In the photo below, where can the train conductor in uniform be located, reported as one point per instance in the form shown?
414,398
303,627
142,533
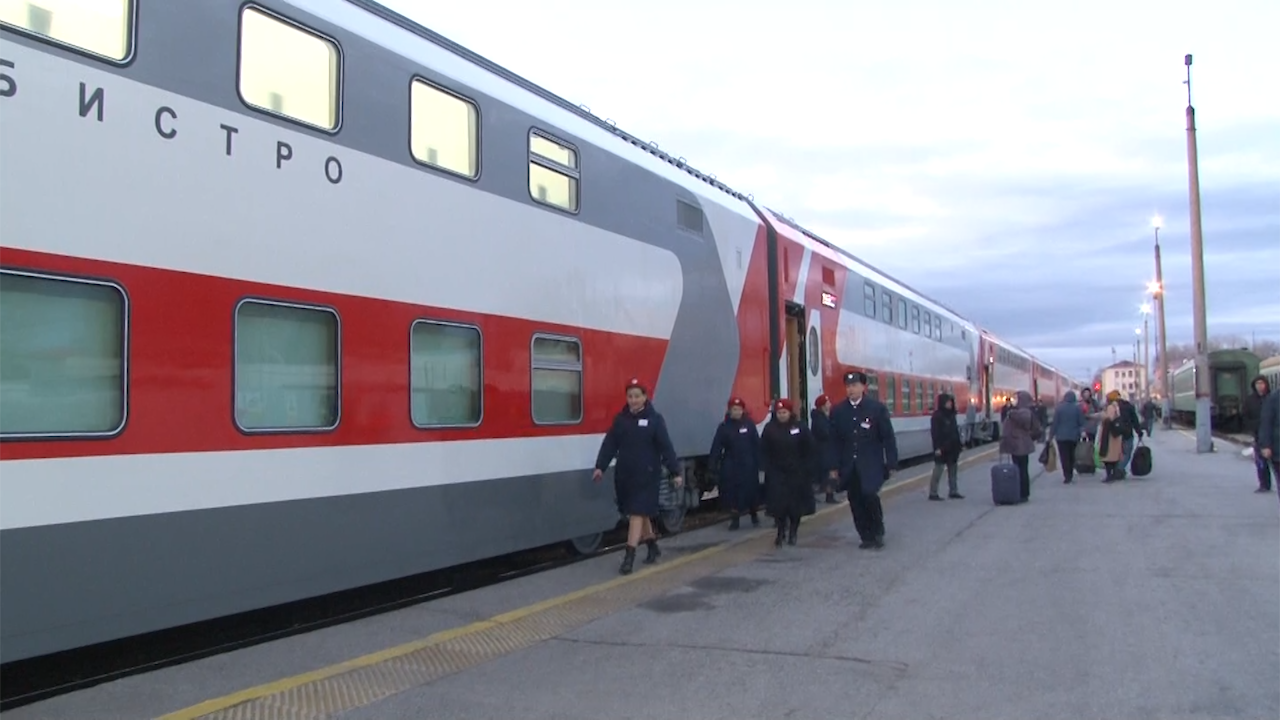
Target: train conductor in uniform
866,453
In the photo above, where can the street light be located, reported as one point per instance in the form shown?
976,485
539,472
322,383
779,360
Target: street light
1146,349
1204,435
1156,289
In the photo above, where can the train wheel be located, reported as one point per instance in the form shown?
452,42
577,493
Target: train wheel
587,544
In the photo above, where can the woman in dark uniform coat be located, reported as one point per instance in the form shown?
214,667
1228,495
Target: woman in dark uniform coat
735,451
638,439
786,448
823,448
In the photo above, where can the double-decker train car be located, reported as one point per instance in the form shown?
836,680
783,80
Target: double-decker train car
298,296
1005,371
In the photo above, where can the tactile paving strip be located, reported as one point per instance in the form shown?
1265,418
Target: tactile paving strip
338,690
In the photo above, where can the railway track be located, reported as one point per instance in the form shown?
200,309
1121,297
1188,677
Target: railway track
28,681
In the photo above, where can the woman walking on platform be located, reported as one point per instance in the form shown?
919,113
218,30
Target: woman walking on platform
735,455
638,439
786,449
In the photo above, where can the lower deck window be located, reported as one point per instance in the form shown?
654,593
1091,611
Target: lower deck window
286,370
557,380
62,356
445,374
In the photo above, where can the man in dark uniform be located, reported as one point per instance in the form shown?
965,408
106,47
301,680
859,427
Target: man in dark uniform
867,452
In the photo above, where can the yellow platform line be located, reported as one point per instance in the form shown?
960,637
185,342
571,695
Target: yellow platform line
402,653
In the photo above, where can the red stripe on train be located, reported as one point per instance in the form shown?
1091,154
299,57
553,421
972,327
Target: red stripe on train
180,367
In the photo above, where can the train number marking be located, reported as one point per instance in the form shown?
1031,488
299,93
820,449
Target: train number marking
93,101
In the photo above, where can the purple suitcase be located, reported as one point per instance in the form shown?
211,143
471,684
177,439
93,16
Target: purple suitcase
1005,486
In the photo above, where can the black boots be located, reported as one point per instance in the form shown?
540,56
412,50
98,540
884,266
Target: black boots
628,560
781,525
795,528
654,552
755,519
733,524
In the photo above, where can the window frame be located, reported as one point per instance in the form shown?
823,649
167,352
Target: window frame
339,90
869,296
886,307
125,343
915,319
928,324
552,165
581,369
235,351
131,45
418,77
902,313
937,327
891,397
445,323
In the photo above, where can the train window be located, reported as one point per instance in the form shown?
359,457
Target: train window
906,396
873,386
920,396
902,313
62,356
446,378
288,70
869,299
964,334
928,324
886,308
931,398
937,328
915,319
553,172
286,368
557,380
103,28
891,394
444,129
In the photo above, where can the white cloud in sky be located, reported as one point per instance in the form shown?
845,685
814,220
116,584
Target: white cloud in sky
938,138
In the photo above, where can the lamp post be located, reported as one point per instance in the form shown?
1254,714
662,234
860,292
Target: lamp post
1204,435
1146,350
1157,292
1137,360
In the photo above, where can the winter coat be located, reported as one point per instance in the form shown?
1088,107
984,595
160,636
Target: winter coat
945,430
642,447
1111,440
1068,419
865,440
735,456
1020,429
1269,425
825,452
786,451
1251,408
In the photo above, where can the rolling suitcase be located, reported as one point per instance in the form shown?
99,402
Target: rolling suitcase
1005,486
1084,458
1140,463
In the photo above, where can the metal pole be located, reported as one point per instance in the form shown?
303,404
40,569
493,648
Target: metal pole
1146,355
1204,435
1166,400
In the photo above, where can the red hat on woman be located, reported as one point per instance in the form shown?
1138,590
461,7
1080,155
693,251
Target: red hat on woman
738,402
784,404
635,383
822,400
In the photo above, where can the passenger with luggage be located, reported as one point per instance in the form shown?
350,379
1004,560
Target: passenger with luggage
1018,439
824,449
786,451
1111,442
945,431
639,440
1251,414
866,456
1269,431
1130,425
735,458
1067,429
1092,413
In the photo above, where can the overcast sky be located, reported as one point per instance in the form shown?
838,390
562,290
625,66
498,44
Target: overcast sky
1003,156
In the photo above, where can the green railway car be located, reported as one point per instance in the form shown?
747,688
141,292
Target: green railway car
1230,372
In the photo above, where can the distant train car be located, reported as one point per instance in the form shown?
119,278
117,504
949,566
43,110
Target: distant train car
1270,369
1230,372
300,296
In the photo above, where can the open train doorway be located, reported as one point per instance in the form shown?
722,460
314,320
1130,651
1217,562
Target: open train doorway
797,379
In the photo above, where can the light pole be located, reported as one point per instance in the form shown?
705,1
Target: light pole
1157,291
1137,359
1146,350
1204,435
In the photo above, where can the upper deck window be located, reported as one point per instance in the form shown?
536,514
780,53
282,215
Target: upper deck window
444,129
553,172
98,27
288,70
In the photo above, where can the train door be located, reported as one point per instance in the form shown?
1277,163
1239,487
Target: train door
795,342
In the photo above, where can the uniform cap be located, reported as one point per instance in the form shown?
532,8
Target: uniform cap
853,376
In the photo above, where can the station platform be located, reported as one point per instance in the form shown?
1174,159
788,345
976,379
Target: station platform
1154,597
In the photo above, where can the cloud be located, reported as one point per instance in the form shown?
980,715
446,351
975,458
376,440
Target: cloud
1003,158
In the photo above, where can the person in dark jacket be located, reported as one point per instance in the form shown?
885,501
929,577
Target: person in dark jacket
824,448
1269,431
1018,439
639,440
786,451
1068,428
735,454
866,456
1092,414
946,447
1251,414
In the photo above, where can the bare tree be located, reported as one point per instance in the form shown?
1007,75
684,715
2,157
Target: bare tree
1181,352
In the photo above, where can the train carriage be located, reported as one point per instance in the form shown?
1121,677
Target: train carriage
300,296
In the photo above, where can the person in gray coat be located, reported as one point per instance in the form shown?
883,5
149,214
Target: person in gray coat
1068,427
1018,439
1269,431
